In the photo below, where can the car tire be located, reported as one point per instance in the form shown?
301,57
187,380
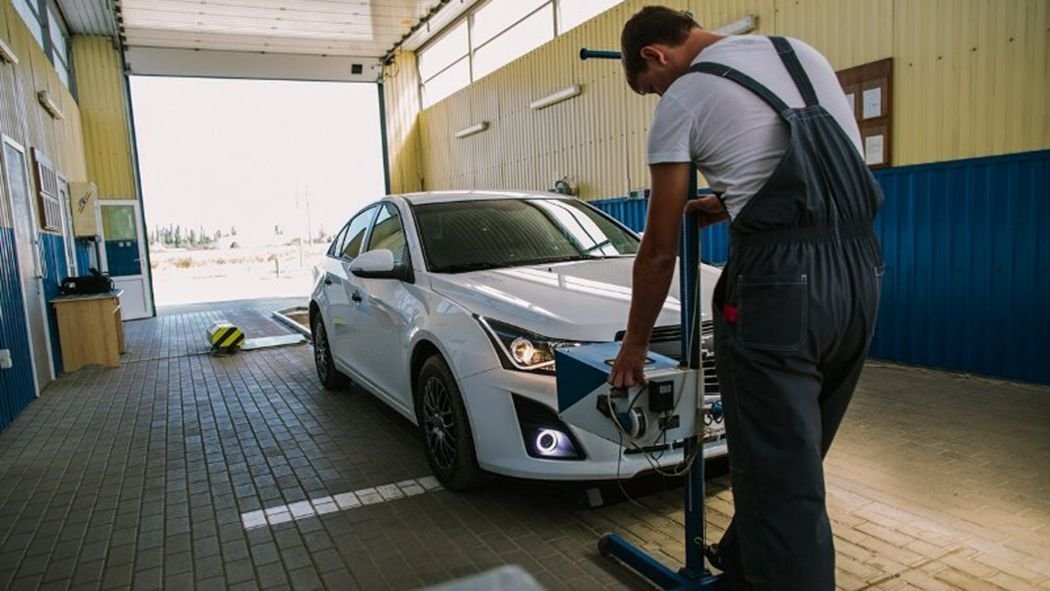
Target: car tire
330,377
445,428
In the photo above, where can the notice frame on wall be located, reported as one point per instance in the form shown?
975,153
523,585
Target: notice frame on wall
869,88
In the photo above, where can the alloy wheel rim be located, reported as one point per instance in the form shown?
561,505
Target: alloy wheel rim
439,423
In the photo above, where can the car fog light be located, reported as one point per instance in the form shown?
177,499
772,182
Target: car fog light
523,350
548,441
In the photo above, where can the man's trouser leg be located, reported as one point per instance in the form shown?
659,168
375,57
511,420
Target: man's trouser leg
783,408
773,418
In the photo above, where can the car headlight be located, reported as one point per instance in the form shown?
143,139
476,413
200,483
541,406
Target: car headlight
521,349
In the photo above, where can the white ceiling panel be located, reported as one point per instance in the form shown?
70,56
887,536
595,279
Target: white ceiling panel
330,35
329,27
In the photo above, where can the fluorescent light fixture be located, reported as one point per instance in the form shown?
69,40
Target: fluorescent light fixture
7,54
49,104
469,131
745,25
562,95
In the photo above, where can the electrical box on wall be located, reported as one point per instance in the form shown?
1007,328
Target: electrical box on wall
83,202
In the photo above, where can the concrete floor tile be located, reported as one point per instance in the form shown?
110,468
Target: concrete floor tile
174,449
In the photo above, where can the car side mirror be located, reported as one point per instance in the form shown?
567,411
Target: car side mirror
380,264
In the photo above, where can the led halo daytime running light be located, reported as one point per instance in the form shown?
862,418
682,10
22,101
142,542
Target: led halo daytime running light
548,441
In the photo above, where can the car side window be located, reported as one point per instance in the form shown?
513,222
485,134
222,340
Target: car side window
355,233
388,233
337,245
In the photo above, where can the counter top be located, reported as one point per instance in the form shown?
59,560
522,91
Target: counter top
116,293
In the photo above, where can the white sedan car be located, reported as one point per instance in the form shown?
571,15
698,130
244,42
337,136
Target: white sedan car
448,306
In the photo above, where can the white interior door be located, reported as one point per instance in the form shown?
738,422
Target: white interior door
124,244
30,261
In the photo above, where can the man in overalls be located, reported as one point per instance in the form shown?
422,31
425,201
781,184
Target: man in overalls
765,121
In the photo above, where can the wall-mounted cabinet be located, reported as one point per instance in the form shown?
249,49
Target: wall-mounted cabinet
83,203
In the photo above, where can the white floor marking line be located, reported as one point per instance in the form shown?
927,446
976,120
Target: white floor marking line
339,502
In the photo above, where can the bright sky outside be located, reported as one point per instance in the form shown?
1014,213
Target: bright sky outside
251,154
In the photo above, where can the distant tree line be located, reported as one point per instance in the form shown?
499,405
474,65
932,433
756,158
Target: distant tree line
175,236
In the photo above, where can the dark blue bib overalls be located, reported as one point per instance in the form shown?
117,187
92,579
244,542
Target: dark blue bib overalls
794,312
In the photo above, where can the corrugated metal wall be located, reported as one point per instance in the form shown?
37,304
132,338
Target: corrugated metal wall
61,140
22,117
967,264
83,250
714,241
16,384
107,135
56,267
401,100
971,79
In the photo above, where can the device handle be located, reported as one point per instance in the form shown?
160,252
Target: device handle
598,54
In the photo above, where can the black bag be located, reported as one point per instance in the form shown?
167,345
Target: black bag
86,284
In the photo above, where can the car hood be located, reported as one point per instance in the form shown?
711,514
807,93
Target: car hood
582,301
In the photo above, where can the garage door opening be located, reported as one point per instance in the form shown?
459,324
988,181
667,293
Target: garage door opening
245,181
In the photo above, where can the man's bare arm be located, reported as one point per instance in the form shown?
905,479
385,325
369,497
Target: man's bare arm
653,267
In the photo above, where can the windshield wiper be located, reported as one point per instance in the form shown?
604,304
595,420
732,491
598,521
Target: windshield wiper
464,267
553,260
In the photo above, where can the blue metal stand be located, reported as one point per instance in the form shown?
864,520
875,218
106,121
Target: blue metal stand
694,576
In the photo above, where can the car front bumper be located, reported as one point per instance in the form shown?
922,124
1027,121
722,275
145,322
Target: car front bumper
501,448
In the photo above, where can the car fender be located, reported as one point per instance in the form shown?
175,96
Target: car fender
459,338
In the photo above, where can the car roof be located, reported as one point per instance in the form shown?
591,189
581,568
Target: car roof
448,196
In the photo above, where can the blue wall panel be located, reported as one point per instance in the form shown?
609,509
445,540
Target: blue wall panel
714,242
83,249
55,269
967,250
16,384
967,266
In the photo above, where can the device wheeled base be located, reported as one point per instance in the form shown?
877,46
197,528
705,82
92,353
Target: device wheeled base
613,545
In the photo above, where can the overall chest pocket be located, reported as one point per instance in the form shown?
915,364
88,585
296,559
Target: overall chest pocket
773,311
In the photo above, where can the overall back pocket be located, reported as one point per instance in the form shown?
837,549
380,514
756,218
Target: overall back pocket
773,311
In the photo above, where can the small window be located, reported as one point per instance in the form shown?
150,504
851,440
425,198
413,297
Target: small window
576,12
59,47
447,82
515,42
355,233
496,16
388,233
443,52
337,244
27,9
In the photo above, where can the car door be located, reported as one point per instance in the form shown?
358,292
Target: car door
338,288
383,313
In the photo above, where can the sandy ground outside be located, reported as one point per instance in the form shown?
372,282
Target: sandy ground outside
196,276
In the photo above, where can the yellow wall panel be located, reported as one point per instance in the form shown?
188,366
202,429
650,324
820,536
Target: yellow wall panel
23,118
401,101
970,79
103,111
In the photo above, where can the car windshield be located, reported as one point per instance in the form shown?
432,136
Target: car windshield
472,235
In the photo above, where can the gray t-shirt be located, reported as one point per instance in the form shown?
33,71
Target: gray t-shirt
735,138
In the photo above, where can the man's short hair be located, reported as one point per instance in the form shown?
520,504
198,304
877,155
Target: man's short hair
652,24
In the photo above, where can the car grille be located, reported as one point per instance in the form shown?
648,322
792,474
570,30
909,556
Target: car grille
666,341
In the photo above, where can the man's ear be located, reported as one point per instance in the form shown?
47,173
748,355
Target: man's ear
653,53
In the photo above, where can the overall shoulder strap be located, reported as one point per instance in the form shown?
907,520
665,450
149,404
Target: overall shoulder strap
794,67
744,80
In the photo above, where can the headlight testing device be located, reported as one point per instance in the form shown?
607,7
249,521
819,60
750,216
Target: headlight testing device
667,409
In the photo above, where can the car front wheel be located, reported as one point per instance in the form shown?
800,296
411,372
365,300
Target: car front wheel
446,431
330,377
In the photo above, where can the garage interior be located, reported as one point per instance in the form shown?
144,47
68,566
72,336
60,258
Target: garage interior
179,469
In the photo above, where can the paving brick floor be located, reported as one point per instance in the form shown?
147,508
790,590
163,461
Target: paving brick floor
184,470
